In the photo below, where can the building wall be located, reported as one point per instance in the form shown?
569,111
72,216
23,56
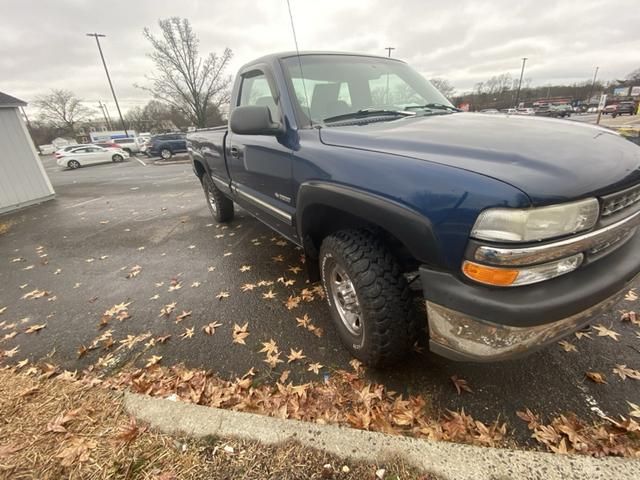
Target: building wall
23,180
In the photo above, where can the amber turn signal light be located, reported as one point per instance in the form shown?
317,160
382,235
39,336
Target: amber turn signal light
500,277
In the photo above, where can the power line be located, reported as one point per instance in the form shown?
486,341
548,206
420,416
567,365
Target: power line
113,92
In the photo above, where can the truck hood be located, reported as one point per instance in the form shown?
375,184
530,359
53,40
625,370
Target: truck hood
551,160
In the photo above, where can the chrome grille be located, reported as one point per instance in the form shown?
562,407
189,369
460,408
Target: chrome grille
617,202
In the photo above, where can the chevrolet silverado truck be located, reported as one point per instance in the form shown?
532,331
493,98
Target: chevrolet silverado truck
520,230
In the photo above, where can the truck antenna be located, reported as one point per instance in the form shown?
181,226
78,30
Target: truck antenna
295,40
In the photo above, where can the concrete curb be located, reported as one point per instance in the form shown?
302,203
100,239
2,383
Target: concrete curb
449,461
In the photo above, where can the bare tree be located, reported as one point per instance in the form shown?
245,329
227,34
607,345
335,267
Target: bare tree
62,109
183,79
443,86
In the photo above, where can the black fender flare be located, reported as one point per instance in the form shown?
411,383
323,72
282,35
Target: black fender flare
411,228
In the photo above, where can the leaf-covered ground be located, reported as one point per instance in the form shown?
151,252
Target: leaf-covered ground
53,428
125,281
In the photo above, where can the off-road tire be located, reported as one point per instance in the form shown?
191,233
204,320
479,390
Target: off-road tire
390,322
220,206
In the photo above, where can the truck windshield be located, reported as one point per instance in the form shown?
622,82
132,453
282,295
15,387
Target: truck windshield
337,85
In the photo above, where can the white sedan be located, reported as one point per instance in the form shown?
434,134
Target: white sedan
88,154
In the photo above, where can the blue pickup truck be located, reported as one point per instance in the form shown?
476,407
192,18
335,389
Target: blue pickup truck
520,230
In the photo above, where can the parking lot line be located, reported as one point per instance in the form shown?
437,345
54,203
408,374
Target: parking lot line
141,162
83,203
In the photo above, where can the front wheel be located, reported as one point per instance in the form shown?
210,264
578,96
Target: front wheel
73,164
221,207
369,298
166,153
117,158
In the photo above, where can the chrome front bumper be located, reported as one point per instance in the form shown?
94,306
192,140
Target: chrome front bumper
462,337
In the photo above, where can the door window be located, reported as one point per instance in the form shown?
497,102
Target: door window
255,90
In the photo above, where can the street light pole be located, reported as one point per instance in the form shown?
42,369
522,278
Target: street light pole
388,49
524,60
593,84
104,114
113,92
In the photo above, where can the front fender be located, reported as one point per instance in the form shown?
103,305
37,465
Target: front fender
408,226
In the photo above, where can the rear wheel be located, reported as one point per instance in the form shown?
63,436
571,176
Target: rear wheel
220,206
166,153
369,298
117,158
73,164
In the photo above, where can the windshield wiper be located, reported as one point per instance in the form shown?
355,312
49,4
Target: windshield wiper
368,112
433,106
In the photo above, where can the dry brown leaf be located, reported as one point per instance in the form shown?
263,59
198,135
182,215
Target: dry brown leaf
167,309
269,295
597,377
630,317
82,351
210,328
605,332
635,409
631,295
35,294
273,359
240,333
247,287
2,310
295,269
8,450
154,360
278,258
245,268
623,372
76,450
269,347
222,295
304,321
315,368
460,384
580,334
182,316
129,432
188,333
292,302
567,347
58,424
35,328
135,270
163,338
295,355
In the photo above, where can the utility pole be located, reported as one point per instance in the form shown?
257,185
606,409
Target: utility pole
388,49
524,60
104,114
115,99
593,84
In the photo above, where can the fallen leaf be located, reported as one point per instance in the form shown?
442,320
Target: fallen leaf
631,295
58,424
155,297
175,285
135,270
182,316
7,450
304,321
163,339
269,347
580,334
635,412
278,258
2,310
195,284
292,302
245,268
597,377
129,432
273,359
314,367
295,355
188,333
167,309
240,333
76,450
567,347
269,295
460,384
247,287
35,294
630,317
623,372
295,269
35,328
222,295
82,351
605,332
210,328
154,360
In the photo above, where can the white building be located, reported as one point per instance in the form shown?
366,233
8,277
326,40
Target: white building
23,180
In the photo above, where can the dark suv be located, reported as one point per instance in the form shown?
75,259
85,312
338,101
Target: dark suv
624,107
167,145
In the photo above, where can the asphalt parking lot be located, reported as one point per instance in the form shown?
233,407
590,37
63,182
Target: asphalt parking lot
108,220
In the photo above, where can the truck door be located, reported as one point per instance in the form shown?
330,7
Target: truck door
260,165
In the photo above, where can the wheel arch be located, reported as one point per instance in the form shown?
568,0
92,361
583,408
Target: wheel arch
323,208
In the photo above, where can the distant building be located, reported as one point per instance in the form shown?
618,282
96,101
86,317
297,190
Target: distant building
23,180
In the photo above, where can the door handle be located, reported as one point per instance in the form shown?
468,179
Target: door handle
235,152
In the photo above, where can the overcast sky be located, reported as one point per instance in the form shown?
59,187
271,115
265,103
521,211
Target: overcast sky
43,43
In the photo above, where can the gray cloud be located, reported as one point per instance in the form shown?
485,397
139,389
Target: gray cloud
43,43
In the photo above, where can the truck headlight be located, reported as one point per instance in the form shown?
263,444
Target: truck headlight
528,225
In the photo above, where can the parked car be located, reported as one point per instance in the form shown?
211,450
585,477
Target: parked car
609,109
622,108
167,145
551,111
68,148
514,247
489,110
107,145
525,111
129,145
89,154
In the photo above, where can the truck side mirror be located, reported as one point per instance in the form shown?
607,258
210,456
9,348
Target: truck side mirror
254,120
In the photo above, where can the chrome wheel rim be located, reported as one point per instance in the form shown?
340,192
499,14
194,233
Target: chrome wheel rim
211,199
343,294
166,154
